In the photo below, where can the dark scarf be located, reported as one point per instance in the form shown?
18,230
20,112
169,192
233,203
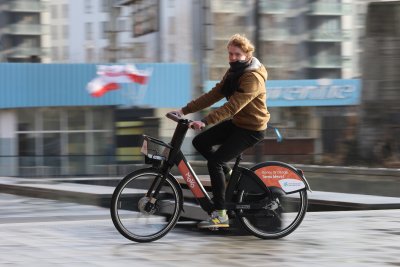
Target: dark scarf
231,82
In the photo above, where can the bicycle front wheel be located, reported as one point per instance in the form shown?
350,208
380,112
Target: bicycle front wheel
136,215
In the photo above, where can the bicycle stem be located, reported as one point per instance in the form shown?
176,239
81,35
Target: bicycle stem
177,140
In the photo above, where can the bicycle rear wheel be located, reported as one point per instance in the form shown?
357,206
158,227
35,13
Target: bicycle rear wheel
280,213
130,203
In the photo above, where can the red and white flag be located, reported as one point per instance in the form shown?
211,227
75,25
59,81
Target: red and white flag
109,78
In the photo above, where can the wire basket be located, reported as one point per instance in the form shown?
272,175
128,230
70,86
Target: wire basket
154,149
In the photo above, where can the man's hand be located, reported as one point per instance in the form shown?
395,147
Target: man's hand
197,125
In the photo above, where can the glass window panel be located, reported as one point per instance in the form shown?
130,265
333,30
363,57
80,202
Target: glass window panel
26,120
76,143
51,120
51,149
26,150
102,119
26,144
76,119
65,11
76,152
103,148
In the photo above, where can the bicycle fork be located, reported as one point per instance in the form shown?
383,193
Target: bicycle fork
155,188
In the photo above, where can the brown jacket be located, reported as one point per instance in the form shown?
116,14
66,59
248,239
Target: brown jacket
247,106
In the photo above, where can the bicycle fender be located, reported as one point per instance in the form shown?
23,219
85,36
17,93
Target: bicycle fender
281,175
248,179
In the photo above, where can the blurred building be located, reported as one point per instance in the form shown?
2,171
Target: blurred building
90,31
24,32
50,125
379,129
108,31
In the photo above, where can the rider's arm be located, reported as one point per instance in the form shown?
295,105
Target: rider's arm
249,89
205,100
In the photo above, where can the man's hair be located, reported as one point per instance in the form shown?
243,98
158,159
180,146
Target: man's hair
243,43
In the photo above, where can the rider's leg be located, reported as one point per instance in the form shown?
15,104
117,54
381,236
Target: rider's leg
235,141
216,135
234,144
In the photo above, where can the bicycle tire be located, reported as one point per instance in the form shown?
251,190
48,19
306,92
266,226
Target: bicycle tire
267,223
128,206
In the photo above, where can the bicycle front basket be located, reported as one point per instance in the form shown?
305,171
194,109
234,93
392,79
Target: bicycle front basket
154,149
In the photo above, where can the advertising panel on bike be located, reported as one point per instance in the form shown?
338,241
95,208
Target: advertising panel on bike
281,177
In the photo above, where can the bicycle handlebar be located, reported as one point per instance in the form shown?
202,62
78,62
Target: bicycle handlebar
173,116
176,117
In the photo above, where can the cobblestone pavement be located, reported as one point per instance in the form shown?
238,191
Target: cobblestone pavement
38,232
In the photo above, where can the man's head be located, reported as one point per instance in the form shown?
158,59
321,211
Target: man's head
239,48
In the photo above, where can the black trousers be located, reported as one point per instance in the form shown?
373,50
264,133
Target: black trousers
219,145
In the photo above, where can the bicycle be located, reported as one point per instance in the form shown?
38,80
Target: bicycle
269,199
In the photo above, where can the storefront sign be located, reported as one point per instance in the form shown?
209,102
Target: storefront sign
322,92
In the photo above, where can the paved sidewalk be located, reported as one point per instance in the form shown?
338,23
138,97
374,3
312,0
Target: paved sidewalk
94,193
38,232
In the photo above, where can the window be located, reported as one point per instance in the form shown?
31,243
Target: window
51,149
104,6
54,33
51,119
26,149
104,29
122,25
61,140
171,25
65,11
102,119
88,6
76,151
65,32
76,119
53,11
88,31
26,120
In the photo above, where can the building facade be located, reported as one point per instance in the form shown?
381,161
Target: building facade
24,31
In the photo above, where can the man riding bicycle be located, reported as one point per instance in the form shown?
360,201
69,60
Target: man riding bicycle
239,123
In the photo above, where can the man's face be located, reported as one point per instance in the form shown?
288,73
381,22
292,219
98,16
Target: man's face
235,54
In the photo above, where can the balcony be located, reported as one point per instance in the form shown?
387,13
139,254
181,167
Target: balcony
330,36
277,34
273,7
26,29
329,9
229,6
326,62
26,52
26,6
